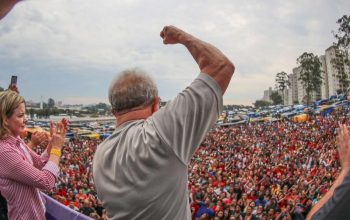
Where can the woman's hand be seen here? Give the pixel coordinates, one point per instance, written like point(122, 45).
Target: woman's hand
point(58, 134)
point(13, 87)
point(38, 138)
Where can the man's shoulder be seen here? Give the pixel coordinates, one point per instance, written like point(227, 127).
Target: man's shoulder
point(137, 131)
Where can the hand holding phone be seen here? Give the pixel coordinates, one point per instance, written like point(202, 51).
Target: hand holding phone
point(13, 80)
point(13, 84)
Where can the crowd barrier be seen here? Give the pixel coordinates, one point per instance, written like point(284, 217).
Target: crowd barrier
point(57, 211)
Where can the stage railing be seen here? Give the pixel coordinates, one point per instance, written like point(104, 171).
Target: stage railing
point(57, 211)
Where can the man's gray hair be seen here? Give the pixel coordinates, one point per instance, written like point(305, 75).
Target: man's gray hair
point(130, 89)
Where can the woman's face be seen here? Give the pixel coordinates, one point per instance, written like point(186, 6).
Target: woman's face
point(17, 121)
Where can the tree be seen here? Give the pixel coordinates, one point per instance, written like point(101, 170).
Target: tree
point(50, 103)
point(282, 82)
point(31, 113)
point(1, 89)
point(46, 112)
point(261, 103)
point(341, 59)
point(276, 98)
point(45, 106)
point(310, 75)
point(343, 35)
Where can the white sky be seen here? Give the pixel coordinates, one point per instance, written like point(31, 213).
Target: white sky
point(70, 50)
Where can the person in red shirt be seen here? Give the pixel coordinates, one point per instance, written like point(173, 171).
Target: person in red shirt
point(62, 191)
point(81, 196)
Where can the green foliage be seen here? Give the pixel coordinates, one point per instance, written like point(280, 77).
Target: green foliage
point(276, 98)
point(261, 103)
point(93, 111)
point(341, 59)
point(232, 107)
point(282, 82)
point(98, 109)
point(1, 89)
point(310, 75)
point(31, 113)
point(343, 34)
point(50, 103)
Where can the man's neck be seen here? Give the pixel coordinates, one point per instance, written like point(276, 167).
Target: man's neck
point(134, 115)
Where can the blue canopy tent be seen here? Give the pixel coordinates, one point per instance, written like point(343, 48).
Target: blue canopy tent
point(69, 135)
point(326, 111)
point(321, 102)
point(252, 115)
point(289, 114)
point(341, 97)
point(104, 136)
point(343, 103)
point(333, 97)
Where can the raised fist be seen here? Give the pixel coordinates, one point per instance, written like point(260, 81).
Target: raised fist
point(171, 35)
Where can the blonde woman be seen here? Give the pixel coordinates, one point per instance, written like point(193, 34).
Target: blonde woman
point(23, 173)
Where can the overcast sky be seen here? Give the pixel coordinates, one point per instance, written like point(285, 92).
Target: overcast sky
point(70, 50)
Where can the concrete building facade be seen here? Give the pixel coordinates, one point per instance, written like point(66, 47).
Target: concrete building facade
point(330, 83)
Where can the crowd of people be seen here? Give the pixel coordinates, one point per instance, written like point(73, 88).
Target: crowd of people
point(264, 170)
point(271, 170)
point(75, 187)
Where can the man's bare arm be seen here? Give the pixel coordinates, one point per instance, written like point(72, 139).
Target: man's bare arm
point(209, 59)
point(6, 6)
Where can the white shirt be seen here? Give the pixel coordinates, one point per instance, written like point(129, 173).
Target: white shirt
point(140, 171)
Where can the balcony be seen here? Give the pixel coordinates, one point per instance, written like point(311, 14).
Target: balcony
point(57, 211)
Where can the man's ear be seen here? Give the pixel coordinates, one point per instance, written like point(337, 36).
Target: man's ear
point(114, 112)
point(155, 105)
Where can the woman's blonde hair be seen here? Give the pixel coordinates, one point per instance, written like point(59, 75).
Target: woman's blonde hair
point(9, 101)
